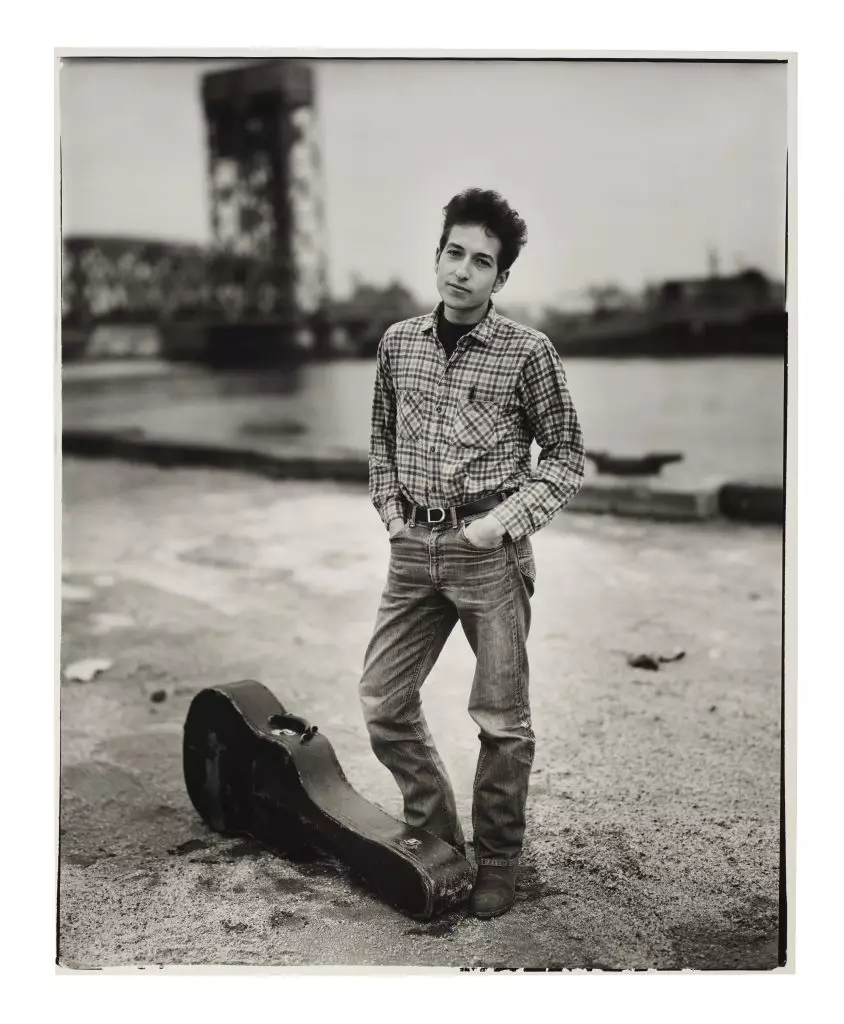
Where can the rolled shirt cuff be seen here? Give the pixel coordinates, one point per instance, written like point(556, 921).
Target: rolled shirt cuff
point(390, 510)
point(512, 517)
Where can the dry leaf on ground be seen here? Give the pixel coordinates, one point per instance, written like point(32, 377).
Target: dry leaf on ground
point(84, 671)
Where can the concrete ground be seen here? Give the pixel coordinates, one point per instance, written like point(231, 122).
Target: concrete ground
point(654, 807)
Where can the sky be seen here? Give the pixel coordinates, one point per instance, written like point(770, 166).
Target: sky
point(626, 173)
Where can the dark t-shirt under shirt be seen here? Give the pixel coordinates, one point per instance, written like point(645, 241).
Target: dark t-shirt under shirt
point(449, 333)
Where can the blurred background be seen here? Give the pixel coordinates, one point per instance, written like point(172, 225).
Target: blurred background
point(236, 236)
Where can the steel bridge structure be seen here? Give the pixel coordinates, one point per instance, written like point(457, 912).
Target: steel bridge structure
point(258, 293)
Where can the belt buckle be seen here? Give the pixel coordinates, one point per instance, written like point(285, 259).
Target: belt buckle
point(433, 522)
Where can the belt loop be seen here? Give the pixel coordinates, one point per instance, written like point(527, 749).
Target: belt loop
point(413, 509)
point(453, 511)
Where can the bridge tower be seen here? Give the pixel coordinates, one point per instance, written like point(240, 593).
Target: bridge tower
point(265, 182)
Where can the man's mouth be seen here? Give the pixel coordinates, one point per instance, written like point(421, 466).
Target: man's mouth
point(458, 287)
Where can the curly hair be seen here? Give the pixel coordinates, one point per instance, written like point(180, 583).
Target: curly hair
point(493, 213)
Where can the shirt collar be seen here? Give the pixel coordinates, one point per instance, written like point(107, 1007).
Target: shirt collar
point(482, 331)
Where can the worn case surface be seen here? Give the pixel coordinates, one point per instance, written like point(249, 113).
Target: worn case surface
point(252, 768)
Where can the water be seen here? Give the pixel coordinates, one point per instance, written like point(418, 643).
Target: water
point(725, 415)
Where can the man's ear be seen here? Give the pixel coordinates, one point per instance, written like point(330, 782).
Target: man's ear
point(501, 280)
point(437, 259)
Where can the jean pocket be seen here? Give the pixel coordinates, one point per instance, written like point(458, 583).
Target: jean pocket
point(461, 533)
point(475, 424)
point(400, 533)
point(410, 414)
point(524, 556)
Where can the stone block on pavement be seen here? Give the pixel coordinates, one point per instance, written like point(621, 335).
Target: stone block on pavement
point(651, 500)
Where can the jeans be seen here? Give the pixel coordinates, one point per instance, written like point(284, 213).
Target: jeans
point(437, 577)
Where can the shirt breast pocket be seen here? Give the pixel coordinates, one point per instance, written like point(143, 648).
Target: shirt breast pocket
point(410, 414)
point(475, 424)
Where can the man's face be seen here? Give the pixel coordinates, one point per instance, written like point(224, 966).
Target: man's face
point(467, 268)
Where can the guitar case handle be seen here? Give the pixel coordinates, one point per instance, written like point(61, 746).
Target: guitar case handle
point(292, 725)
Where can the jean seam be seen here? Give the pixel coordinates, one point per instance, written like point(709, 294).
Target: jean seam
point(482, 758)
point(479, 767)
point(412, 688)
point(514, 634)
point(518, 666)
point(525, 559)
point(517, 652)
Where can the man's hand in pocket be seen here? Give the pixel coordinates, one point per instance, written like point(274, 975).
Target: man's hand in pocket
point(485, 532)
point(396, 525)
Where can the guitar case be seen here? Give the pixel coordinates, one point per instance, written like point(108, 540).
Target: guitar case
point(252, 768)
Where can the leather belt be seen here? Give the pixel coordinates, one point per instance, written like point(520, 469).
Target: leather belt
point(420, 515)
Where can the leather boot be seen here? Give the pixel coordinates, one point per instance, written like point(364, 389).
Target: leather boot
point(494, 891)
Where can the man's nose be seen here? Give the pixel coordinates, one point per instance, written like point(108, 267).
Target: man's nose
point(463, 269)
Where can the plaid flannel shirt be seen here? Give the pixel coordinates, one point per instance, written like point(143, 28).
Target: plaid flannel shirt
point(448, 432)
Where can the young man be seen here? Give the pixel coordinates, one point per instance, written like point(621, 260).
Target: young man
point(459, 396)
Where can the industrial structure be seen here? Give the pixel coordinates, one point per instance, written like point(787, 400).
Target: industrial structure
point(266, 202)
point(258, 294)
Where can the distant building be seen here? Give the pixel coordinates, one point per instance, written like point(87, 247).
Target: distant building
point(742, 313)
point(369, 311)
point(748, 289)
